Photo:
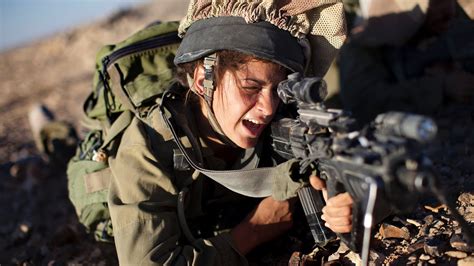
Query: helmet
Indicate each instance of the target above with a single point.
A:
(302, 35)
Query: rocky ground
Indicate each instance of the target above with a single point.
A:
(38, 225)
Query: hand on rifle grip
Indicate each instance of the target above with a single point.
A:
(338, 210)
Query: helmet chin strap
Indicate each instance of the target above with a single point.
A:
(208, 96)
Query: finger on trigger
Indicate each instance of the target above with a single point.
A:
(316, 182)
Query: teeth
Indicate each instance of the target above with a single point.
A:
(254, 121)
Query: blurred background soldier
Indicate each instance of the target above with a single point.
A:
(55, 140)
(408, 56)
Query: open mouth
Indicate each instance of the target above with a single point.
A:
(253, 126)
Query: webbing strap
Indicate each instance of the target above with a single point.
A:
(117, 127)
(256, 183)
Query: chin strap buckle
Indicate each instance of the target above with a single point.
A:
(210, 62)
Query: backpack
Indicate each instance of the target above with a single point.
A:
(129, 77)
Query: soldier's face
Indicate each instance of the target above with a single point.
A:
(245, 101)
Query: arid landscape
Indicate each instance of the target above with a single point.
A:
(38, 225)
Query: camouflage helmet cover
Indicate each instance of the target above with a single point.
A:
(318, 26)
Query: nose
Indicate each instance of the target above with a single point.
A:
(267, 103)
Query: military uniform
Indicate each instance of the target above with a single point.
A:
(144, 200)
(164, 212)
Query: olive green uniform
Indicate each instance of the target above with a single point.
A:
(144, 202)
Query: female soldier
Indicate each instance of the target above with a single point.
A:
(234, 54)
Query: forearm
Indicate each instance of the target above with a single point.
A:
(244, 237)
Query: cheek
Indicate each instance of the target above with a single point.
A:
(232, 104)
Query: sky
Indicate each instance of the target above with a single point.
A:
(22, 21)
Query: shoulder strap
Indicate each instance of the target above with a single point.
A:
(117, 127)
(258, 182)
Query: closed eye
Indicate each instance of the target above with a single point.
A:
(251, 89)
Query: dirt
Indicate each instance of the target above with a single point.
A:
(38, 224)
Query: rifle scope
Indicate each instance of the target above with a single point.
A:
(302, 90)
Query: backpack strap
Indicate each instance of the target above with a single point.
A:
(99, 180)
(119, 125)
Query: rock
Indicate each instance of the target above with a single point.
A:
(460, 244)
(438, 224)
(334, 257)
(436, 209)
(376, 258)
(434, 246)
(428, 219)
(456, 254)
(414, 222)
(412, 259)
(466, 199)
(433, 231)
(469, 261)
(297, 259)
(416, 246)
(354, 258)
(468, 213)
(343, 249)
(391, 231)
(425, 257)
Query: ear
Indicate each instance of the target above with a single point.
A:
(199, 79)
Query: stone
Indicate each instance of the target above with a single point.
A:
(469, 214)
(456, 254)
(434, 246)
(469, 261)
(460, 244)
(428, 219)
(412, 259)
(391, 231)
(466, 199)
(433, 231)
(416, 246)
(354, 258)
(438, 224)
(414, 222)
(376, 258)
(436, 209)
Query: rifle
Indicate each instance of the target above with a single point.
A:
(381, 164)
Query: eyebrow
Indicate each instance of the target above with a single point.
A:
(260, 82)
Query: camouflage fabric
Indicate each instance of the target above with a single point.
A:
(319, 26)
